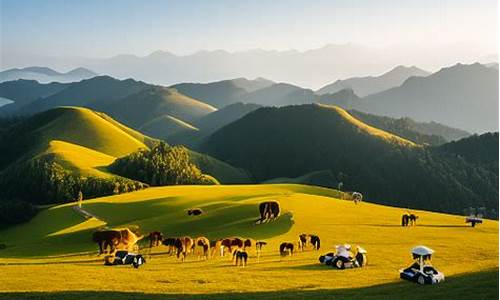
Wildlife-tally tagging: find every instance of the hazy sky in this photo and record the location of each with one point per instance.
(96, 28)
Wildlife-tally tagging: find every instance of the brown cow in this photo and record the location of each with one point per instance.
(231, 244)
(286, 248)
(184, 246)
(155, 239)
(269, 211)
(129, 239)
(241, 257)
(170, 243)
(204, 243)
(309, 240)
(106, 238)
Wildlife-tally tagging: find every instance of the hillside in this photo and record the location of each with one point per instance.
(364, 86)
(46, 75)
(59, 239)
(88, 129)
(431, 133)
(24, 92)
(42, 155)
(211, 123)
(324, 178)
(293, 141)
(149, 103)
(94, 93)
(461, 96)
(222, 93)
(164, 126)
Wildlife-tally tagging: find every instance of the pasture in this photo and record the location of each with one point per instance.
(53, 257)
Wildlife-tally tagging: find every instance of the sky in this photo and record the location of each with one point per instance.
(96, 28)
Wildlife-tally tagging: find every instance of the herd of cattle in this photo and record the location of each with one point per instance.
(204, 248)
(238, 247)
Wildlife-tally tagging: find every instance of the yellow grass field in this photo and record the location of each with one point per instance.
(53, 257)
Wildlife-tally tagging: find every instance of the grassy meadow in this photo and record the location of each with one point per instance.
(53, 257)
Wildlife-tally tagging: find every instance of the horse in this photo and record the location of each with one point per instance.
(286, 248)
(155, 239)
(204, 243)
(194, 212)
(269, 211)
(241, 257)
(106, 238)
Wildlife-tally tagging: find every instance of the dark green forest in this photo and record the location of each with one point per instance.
(295, 140)
(162, 165)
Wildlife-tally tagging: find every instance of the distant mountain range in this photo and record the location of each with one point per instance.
(311, 68)
(46, 75)
(364, 86)
(461, 96)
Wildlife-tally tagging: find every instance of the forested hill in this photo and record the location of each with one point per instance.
(296, 140)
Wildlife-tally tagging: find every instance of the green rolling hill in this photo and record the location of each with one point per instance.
(164, 126)
(43, 148)
(155, 101)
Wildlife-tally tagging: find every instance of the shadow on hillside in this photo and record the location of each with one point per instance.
(481, 285)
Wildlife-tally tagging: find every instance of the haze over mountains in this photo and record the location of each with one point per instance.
(312, 68)
(46, 75)
(364, 86)
(463, 96)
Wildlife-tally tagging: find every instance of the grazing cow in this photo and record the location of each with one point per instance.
(183, 246)
(286, 248)
(241, 258)
(195, 212)
(106, 238)
(248, 243)
(258, 248)
(230, 244)
(155, 239)
(315, 241)
(413, 219)
(405, 219)
(304, 240)
(269, 211)
(356, 197)
(203, 243)
(215, 246)
(170, 243)
(310, 240)
(259, 245)
(129, 239)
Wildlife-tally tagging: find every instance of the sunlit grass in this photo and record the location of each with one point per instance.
(46, 254)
